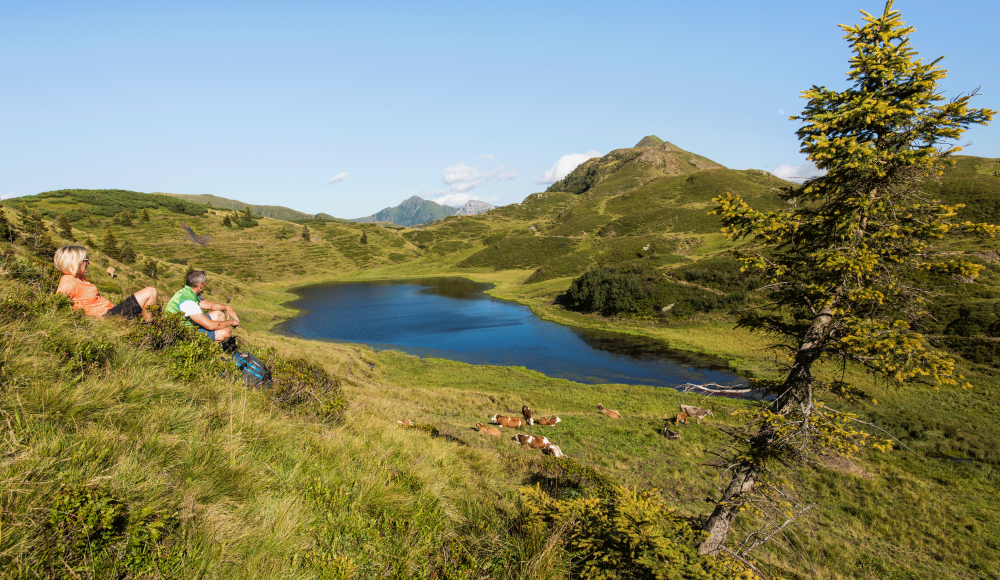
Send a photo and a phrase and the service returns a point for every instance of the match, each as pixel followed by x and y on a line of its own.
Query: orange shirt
pixel 84 295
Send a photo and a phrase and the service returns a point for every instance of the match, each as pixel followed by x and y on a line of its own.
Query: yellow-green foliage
pixel 625 534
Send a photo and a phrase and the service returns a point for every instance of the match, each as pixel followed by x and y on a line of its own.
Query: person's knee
pixel 217 315
pixel 222 334
pixel 146 296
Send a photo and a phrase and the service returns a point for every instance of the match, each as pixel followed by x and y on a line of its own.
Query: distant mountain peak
pixel 474 207
pixel 411 212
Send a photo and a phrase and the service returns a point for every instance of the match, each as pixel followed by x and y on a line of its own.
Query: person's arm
pixel 208 324
pixel 217 307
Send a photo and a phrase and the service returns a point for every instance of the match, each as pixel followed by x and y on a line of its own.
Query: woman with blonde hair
pixel 72 261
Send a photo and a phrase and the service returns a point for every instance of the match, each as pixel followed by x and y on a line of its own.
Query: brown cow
pixel 608 412
pixel 111 271
pixel 550 421
pixel 526 411
pixel 532 441
pixel 682 417
pixel 552 450
pixel 511 422
pixel 406 423
pixel 697 412
pixel 488 430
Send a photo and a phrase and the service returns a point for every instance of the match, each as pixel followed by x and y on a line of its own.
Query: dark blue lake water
pixel 452 318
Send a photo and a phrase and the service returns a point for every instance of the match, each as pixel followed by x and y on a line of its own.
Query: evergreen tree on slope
pixel 835 270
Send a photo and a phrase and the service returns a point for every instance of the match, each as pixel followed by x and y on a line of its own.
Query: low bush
pixel 624 534
pixel 300 385
pixel 92 533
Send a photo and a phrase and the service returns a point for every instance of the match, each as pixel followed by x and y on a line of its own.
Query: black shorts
pixel 129 308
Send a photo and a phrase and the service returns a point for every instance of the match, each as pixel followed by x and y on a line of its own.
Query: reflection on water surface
pixel 453 318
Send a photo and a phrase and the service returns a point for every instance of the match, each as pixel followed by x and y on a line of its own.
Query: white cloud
pixel 487 156
pixel 454 199
pixel 799 173
pixel 565 165
pixel 8 196
pixel 462 178
pixel 781 112
pixel 339 177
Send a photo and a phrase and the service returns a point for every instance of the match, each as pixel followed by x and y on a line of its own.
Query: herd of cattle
pixel 549 448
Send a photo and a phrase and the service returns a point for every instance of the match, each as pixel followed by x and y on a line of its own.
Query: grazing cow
pixel 697 412
pixel 406 423
pixel 552 450
pixel 670 434
pixel 526 411
pixel 111 271
pixel 488 430
pixel 608 412
pixel 550 421
pixel 532 441
pixel 682 417
pixel 511 422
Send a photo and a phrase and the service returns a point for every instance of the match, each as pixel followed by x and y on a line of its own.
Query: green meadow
pixel 125 460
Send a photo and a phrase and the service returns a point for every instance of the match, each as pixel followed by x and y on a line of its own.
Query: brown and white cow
pixel 550 421
pixel 111 271
pixel 511 422
pixel 608 412
pixel 682 417
pixel 488 430
pixel 532 441
pixel 406 423
pixel 697 413
pixel 526 411
pixel 553 450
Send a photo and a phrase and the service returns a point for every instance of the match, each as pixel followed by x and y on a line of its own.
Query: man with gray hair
pixel 217 323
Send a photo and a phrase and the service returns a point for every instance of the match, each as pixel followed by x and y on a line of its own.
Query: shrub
pixel 627 534
pixel 128 253
pixel 621 289
pixel 300 384
pixel 92 533
pixel 637 289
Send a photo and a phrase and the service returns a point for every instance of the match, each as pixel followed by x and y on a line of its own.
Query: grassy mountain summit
pixel 650 141
pixel 624 169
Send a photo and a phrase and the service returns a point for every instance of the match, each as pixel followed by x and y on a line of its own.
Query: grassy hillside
pixel 922 510
pixel 272 211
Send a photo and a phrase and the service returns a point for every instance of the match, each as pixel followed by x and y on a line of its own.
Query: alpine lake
pixel 454 319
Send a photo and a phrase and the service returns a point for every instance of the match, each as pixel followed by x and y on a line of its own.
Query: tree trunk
pixel 796 392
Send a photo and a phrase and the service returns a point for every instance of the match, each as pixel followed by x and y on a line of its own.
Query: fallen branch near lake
pixel 715 389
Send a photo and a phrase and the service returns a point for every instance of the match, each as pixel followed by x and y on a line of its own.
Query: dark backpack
pixel 255 372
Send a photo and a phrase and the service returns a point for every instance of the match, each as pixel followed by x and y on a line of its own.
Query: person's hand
pixel 231 313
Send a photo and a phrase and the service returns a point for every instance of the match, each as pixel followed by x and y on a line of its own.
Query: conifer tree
pixel 91 222
pixel 23 210
pixel 364 237
pixel 65 228
pixel 247 216
pixel 7 231
pixel 149 268
pixel 111 245
pixel 90 243
pixel 128 253
pixel 34 227
pixel 126 219
pixel 145 216
pixel 227 222
pixel 305 234
pixel 835 268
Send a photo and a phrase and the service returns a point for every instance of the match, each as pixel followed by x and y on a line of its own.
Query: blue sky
pixel 271 102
